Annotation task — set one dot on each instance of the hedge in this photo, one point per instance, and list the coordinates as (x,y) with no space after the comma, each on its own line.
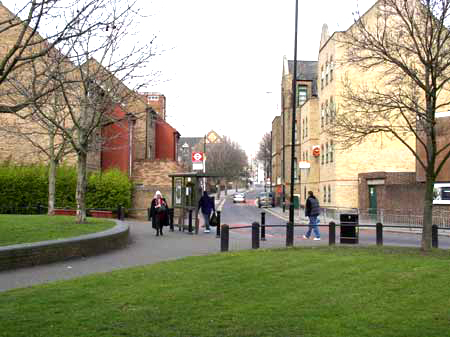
(27,186)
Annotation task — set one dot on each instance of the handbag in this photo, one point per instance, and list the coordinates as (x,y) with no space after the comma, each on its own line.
(213,220)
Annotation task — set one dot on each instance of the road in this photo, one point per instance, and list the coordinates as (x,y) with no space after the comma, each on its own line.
(238,215)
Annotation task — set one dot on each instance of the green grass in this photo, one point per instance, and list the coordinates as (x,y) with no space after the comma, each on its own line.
(16,229)
(291,292)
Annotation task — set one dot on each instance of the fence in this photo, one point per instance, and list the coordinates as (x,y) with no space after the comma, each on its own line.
(403,217)
(258,232)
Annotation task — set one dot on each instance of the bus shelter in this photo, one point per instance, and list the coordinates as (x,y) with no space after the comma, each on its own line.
(186,193)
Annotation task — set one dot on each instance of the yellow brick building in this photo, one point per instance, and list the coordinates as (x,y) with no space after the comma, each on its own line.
(333,175)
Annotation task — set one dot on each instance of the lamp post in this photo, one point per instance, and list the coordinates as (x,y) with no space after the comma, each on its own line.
(294,103)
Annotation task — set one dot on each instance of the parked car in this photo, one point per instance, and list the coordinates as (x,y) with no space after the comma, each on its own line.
(239,197)
(265,199)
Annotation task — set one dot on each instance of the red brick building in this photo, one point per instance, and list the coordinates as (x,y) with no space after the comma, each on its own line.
(166,141)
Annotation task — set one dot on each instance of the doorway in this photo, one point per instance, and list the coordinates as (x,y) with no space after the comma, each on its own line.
(373,203)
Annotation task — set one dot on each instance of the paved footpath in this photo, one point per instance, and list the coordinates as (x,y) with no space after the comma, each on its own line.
(144,248)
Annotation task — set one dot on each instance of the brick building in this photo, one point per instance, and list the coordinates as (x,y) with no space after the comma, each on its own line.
(330,171)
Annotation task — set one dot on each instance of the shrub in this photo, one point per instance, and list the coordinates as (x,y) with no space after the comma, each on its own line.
(108,190)
(27,186)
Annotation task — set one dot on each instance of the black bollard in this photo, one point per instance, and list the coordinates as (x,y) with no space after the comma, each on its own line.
(263,226)
(218,225)
(39,209)
(120,213)
(190,222)
(149,217)
(171,215)
(255,235)
(379,231)
(289,234)
(332,233)
(224,238)
(434,236)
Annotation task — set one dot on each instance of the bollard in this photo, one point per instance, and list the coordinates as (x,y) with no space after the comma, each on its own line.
(190,222)
(224,238)
(255,235)
(149,217)
(284,207)
(434,236)
(289,234)
(218,225)
(39,209)
(263,226)
(379,231)
(171,216)
(120,213)
(332,233)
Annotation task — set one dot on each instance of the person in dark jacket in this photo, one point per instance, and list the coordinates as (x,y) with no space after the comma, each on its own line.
(312,210)
(159,213)
(206,204)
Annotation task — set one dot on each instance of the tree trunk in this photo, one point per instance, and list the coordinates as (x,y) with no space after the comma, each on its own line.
(51,187)
(427,214)
(81,187)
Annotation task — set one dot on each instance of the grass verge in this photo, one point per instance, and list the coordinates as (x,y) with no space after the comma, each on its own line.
(16,229)
(290,292)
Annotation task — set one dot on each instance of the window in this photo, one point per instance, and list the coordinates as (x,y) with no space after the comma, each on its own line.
(331,67)
(304,192)
(295,170)
(326,154)
(327,70)
(329,193)
(324,194)
(326,112)
(306,126)
(322,79)
(321,115)
(332,109)
(302,94)
(331,151)
(321,154)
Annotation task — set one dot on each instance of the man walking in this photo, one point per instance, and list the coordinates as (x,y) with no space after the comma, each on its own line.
(312,210)
(206,204)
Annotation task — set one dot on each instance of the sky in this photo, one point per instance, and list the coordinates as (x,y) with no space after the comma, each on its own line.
(223,62)
(220,62)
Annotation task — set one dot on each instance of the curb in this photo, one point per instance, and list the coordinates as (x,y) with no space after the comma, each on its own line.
(44,252)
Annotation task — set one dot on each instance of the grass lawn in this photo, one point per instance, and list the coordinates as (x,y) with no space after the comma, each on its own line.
(16,229)
(290,292)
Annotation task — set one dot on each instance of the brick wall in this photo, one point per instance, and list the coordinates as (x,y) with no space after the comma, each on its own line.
(149,177)
(12,257)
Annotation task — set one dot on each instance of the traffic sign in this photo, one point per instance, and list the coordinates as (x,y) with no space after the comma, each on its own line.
(197,157)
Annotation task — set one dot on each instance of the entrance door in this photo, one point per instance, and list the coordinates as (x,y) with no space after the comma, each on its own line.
(373,203)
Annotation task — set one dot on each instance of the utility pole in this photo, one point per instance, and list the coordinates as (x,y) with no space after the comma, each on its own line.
(294,103)
(271,151)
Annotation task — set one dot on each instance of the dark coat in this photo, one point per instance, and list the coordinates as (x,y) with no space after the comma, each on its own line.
(312,206)
(164,216)
(206,203)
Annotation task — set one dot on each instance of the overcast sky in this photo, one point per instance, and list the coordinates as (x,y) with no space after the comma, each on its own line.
(222,62)
(223,65)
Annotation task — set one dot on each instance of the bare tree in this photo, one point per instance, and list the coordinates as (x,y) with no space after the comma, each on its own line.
(44,137)
(264,153)
(91,80)
(29,34)
(405,48)
(226,159)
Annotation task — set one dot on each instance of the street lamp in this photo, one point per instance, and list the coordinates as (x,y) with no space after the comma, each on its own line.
(290,230)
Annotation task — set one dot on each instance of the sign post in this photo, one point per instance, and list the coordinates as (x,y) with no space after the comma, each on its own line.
(197,161)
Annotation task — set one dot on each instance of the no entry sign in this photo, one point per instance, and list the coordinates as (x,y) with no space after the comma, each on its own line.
(197,157)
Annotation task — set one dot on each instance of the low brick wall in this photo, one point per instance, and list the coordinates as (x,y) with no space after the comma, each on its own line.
(31,254)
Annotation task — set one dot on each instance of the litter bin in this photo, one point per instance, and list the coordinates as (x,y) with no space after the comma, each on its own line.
(296,201)
(349,229)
